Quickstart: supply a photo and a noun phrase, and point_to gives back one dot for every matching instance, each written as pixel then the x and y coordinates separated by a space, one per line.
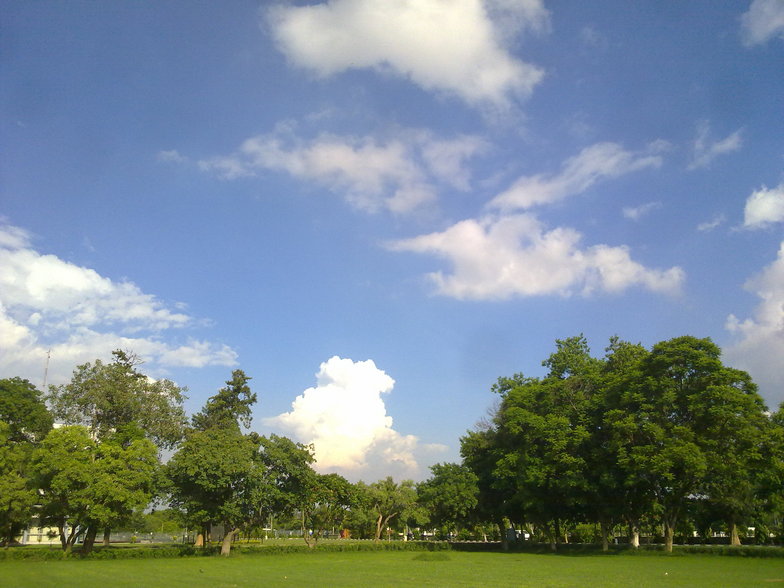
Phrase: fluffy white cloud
pixel 705 150
pixel 764 207
pixel 637 212
pixel 763 20
pixel 453 47
pixel 48 303
pixel 761 339
pixel 578 173
pixel 399 174
pixel 345 418
pixel 499 258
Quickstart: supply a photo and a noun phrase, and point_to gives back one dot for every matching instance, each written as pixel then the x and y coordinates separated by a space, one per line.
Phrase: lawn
pixel 400 569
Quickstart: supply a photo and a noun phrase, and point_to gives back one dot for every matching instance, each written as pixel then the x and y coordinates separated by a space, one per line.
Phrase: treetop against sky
pixel 406 199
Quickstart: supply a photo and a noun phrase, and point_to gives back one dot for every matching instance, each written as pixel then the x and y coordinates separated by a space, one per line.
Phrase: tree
pixel 86 485
pixel 230 407
pixel 733 430
pixel 667 452
pixel 24 421
pixel 388 499
pixel 616 494
pixel 216 479
pixel 17 495
pixel 216 476
pixel 104 397
pixel 324 505
pixel 449 495
pixel 22 408
pixel 543 428
pixel 292 487
pixel 481 451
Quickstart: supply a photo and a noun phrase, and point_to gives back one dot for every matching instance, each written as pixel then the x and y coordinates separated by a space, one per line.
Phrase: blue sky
pixel 376 208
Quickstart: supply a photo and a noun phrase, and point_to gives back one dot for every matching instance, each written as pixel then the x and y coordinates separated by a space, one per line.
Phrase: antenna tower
pixel 46 369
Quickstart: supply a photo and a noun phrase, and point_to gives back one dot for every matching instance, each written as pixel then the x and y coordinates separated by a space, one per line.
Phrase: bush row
pixel 171 551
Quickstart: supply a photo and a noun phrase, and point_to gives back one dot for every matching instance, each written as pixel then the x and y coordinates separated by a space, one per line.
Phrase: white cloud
pixel 578 173
pixel 345 418
pixel 635 213
pixel 591 37
pixel 763 20
pixel 761 346
pixel 452 47
pixel 48 303
pixel 763 207
pixel 172 156
pixel 716 221
pixel 705 150
pixel 399 174
pixel 501 258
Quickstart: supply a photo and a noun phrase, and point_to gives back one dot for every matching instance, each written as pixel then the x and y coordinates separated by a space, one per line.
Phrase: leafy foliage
pixel 105 397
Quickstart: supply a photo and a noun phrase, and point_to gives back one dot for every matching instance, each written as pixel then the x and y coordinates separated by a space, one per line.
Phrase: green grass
pixel 380 569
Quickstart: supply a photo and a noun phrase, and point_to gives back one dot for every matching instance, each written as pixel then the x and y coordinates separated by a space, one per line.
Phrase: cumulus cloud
pixel 500 258
pixel 764 207
pixel 760 340
pixel 706 150
pixel 48 303
pixel 763 21
pixel 456 47
pixel 635 213
pixel 578 173
pixel 399 174
pixel 345 419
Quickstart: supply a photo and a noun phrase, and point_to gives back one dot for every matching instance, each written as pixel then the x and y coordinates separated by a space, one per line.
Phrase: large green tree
pixel 86 485
pixel 106 396
pixel 449 495
pixel 17 494
pixel 543 428
pixel 24 422
pixel 23 409
pixel 216 477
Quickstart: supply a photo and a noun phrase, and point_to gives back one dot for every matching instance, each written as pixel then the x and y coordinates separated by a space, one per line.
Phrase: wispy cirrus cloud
pixel 455 48
pixel 594 163
pixel 400 173
pixel 635 213
pixel 762 21
pixel 705 149
pixel 517 256
pixel 711 224
pixel 47 303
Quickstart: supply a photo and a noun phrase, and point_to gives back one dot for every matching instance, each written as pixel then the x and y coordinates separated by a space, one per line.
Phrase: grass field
pixel 400 569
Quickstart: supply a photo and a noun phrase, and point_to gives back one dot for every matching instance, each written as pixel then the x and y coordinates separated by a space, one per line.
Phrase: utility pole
pixel 46 369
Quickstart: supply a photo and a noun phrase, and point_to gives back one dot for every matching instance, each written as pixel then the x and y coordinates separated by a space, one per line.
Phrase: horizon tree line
pixel 667 438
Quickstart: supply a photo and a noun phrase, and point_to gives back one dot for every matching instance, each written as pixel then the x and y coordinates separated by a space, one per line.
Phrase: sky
pixel 376 208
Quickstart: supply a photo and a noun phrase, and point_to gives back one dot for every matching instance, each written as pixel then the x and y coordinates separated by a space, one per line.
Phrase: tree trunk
pixel 63 538
pixel 669 531
pixel 379 521
pixel 310 540
pixel 734 537
pixel 107 536
pixel 556 536
pixel 504 526
pixel 89 539
pixel 226 544
pixel 605 527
